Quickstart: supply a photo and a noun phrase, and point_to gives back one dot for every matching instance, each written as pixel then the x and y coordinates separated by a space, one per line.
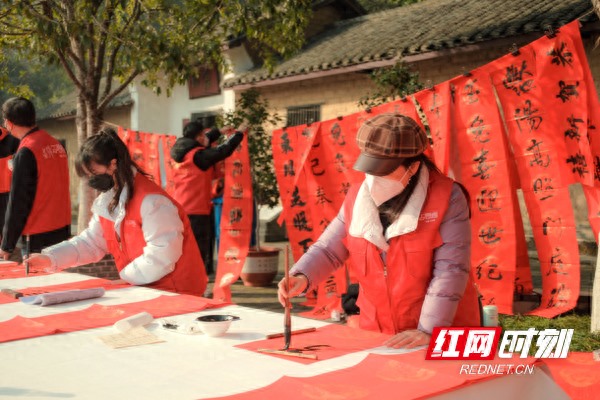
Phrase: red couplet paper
pixel 485 169
pixel 236 221
pixel 399 376
pixel 436 105
pixel 578 374
pixel 544 97
pixel 327 342
pixel 97 316
pixel 167 144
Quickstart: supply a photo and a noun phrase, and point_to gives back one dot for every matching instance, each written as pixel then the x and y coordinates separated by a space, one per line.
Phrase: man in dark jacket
pixel 8 147
pixel 193 174
pixel 39 204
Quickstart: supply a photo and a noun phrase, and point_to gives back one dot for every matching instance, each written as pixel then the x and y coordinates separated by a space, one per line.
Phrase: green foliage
pixel 33 79
pixel 253 109
pixel 583 339
pixel 121 39
pixel 379 5
pixel 392 82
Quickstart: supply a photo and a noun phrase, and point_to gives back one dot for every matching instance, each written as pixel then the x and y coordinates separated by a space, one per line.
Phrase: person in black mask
pixel 39 204
pixel 135 220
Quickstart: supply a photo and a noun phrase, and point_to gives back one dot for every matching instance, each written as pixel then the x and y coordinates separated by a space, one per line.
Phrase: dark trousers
pixel 202 227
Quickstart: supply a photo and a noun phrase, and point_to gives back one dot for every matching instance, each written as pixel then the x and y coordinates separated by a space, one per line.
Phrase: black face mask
pixel 102 182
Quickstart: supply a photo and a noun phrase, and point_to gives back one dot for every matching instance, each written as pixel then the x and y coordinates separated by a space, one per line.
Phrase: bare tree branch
pixel 106 100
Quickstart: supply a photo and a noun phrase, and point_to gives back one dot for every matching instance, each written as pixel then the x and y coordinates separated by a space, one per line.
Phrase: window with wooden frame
pixel 206 83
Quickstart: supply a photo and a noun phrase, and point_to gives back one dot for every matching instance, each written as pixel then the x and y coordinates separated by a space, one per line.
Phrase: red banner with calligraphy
pixel 236 221
pixel 543 95
pixel 436 105
pixel 484 168
pixel 167 144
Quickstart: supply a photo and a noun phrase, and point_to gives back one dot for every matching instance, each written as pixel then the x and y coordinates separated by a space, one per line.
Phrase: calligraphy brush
pixel 287 319
pixel 26 255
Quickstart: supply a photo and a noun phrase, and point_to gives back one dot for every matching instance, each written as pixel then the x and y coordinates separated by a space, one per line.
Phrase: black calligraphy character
pixel 557 265
pixel 478 269
pixel 235 215
pixel 330 285
pixel 336 134
pixel 453 93
pixel 471 92
pixel 285 143
pixel 519 287
pixel 340 164
pixel 345 188
pixel 493 273
pixel 486 200
pixel 435 108
pixel 491 235
pixel 562 56
pixel 590 125
pixel 324 223
pixel 301 223
pixel 557 298
pixel 478 130
pixel 288 168
pixel 543 187
pixel 567 90
pixel 321 198
pixel 315 168
pixel 482 166
pixel 538 157
pixel 305 244
pixel 579 164
pixel 597 168
pixel 516 80
pixel 237 191
pixel 573 131
pixel 238 168
pixel 528 113
pixel 296 200
pixel 547 222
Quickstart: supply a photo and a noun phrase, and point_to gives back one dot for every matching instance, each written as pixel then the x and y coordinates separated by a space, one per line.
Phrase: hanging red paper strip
pixel 152 164
pixel 167 144
pixel 484 169
pixel 542 92
pixel 591 128
pixel 435 103
pixel 291 148
pixel 236 221
pixel 329 175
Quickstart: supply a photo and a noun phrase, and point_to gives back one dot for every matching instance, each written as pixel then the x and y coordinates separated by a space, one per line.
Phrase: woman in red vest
pixel 406 232
pixel 136 221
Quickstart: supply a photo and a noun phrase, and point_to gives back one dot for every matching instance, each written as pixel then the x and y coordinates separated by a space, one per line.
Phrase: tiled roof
pixel 67 105
pixel 427 26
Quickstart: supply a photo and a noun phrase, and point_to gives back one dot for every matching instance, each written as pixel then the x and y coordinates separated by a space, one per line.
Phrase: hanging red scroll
pixel 236 221
pixel 291 147
pixel 329 175
pixel 543 94
pixel 435 103
pixel 167 144
pixel 484 168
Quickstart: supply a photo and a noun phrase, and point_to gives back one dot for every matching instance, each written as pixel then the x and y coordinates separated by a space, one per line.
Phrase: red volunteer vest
pixel 189 276
pixel 5 172
pixel 52 204
pixel 192 186
pixel 392 304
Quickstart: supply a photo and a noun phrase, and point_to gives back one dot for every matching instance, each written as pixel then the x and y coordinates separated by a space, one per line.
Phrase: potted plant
pixel 262 262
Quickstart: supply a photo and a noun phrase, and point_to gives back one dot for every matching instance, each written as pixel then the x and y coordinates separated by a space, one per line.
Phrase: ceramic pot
pixel 260 267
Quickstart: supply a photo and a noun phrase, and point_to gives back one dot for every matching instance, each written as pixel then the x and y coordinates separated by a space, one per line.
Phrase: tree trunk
pixel 88 120
pixel 596 5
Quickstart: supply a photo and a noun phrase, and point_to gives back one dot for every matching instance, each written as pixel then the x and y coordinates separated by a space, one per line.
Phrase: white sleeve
pixel 163 233
pixel 88 247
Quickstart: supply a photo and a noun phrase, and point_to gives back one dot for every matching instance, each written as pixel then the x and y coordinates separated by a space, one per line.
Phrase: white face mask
pixel 382 189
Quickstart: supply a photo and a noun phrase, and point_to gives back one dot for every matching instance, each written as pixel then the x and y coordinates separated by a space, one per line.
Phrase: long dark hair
pixel 102 148
pixel 391 209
